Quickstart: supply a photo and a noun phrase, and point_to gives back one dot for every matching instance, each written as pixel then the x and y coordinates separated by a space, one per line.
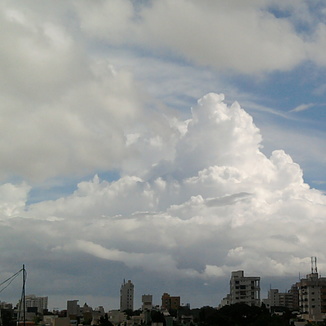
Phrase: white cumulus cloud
pixel 217 195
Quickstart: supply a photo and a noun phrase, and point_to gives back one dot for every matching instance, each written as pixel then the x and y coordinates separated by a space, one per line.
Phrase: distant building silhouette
pixel 40 303
pixel 73 309
pixel 126 296
pixel 288 299
pixel 170 302
pixel 147 302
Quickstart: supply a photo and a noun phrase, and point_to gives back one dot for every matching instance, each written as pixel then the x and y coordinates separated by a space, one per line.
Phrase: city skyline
pixel 304 301
pixel 137 300
pixel 164 142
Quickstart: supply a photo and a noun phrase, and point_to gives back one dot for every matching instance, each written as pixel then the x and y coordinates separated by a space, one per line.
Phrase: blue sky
pixel 159 141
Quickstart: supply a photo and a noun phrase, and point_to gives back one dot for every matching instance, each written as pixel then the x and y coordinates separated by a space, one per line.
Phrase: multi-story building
pixel 127 296
pixel 170 302
pixel 40 303
pixel 73 309
pixel 226 301
pixel 5 305
pixel 34 304
pixel 288 299
pixel 244 289
pixel 312 297
pixel 117 317
pixel 54 320
pixel 295 297
pixel 147 300
pixel 97 314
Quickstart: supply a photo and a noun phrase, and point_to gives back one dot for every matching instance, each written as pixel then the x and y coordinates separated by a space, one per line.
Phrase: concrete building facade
pixel 170 302
pixel 40 303
pixel 288 299
pixel 147 302
pixel 73 309
pixel 312 297
pixel 244 289
pixel 127 296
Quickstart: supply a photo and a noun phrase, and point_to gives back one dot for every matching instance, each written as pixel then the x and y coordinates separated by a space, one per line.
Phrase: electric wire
pixel 9 281
pixel 13 276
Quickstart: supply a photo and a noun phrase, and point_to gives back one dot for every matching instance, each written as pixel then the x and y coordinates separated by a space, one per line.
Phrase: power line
pixel 7 282
pixel 10 280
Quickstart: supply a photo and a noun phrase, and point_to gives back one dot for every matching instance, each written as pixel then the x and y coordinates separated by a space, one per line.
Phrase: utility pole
pixel 24 296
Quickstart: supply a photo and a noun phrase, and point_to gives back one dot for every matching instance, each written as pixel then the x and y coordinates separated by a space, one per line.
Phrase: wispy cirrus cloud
pixel 303 107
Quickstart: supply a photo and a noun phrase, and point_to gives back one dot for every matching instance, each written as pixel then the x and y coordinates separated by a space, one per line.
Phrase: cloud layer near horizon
pixel 215 204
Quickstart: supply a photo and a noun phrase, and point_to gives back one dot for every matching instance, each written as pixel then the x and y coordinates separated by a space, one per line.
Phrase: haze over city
pixel 165 142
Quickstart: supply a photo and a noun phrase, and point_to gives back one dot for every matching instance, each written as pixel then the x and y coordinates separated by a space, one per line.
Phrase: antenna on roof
pixel 313 265
pixel 316 264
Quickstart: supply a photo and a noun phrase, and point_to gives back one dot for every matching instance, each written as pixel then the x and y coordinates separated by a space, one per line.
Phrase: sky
pixel 166 142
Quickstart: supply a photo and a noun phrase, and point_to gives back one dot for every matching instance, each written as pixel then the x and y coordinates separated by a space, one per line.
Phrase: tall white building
pixel 244 289
pixel 126 296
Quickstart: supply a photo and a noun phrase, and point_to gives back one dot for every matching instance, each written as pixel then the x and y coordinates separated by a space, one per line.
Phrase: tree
pixel 157 317
pixel 209 316
pixel 104 321
pixel 7 318
pixel 240 314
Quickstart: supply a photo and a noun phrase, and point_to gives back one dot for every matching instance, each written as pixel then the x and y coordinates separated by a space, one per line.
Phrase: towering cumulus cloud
pixel 214 203
pixel 217 193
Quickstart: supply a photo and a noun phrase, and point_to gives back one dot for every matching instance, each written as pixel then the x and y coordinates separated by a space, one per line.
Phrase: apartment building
pixel 312 297
pixel 170 302
pixel 73 309
pixel 288 299
pixel 244 289
pixel 147 302
pixel 127 296
pixel 39 303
